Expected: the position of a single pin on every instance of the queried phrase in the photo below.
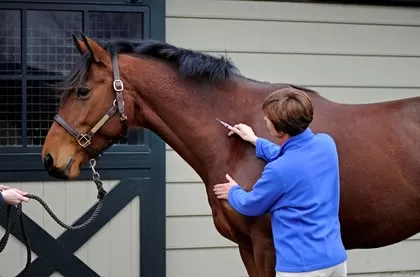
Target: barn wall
(349, 54)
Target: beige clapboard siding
(307, 37)
(403, 256)
(194, 232)
(186, 199)
(113, 251)
(221, 262)
(282, 11)
(366, 95)
(325, 70)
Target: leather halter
(85, 139)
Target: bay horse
(178, 94)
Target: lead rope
(19, 215)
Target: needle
(225, 124)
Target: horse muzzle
(59, 173)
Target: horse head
(145, 84)
(95, 111)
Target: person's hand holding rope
(12, 196)
(15, 197)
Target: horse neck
(183, 113)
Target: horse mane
(189, 64)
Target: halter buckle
(118, 85)
(84, 140)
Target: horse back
(378, 145)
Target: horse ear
(80, 45)
(99, 54)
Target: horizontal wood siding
(350, 54)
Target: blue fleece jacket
(300, 188)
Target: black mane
(190, 64)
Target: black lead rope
(9, 228)
(19, 215)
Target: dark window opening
(40, 56)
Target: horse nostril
(48, 162)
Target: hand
(222, 190)
(14, 196)
(245, 132)
(3, 187)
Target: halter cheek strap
(85, 139)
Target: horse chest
(229, 223)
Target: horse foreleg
(247, 255)
(264, 256)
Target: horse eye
(82, 92)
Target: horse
(178, 93)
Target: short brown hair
(290, 110)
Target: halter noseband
(85, 139)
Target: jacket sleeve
(266, 149)
(1, 198)
(267, 190)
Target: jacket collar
(296, 141)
